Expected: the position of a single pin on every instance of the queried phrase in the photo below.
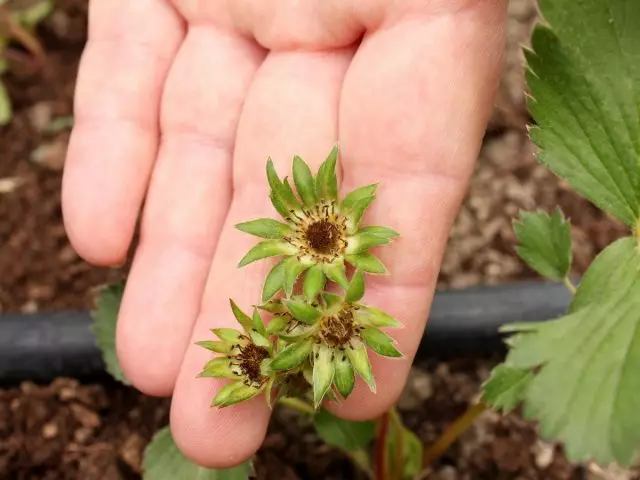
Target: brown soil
(67, 430)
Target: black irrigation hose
(42, 346)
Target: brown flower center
(320, 232)
(249, 360)
(338, 330)
(323, 237)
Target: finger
(114, 140)
(188, 199)
(426, 107)
(291, 109)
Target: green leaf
(587, 390)
(322, 373)
(545, 243)
(292, 356)
(347, 435)
(163, 461)
(6, 112)
(379, 342)
(105, 318)
(242, 318)
(32, 13)
(383, 232)
(274, 281)
(506, 387)
(356, 195)
(336, 272)
(361, 242)
(265, 228)
(356, 288)
(265, 249)
(366, 262)
(344, 377)
(585, 83)
(292, 270)
(304, 181)
(314, 281)
(326, 180)
(303, 311)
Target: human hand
(180, 105)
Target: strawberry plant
(311, 334)
(18, 19)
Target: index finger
(415, 123)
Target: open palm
(178, 105)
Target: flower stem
(298, 405)
(381, 447)
(570, 286)
(452, 433)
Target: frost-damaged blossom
(320, 232)
(245, 359)
(334, 333)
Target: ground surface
(65, 430)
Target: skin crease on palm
(178, 106)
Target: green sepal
(274, 281)
(6, 109)
(213, 346)
(379, 342)
(383, 232)
(257, 322)
(344, 377)
(265, 228)
(277, 324)
(233, 393)
(265, 249)
(336, 272)
(326, 179)
(356, 288)
(273, 306)
(314, 281)
(322, 373)
(366, 262)
(360, 360)
(242, 318)
(376, 317)
(219, 367)
(362, 242)
(279, 205)
(281, 191)
(356, 195)
(304, 181)
(290, 197)
(331, 299)
(268, 395)
(292, 270)
(229, 335)
(261, 341)
(303, 311)
(292, 356)
(355, 213)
